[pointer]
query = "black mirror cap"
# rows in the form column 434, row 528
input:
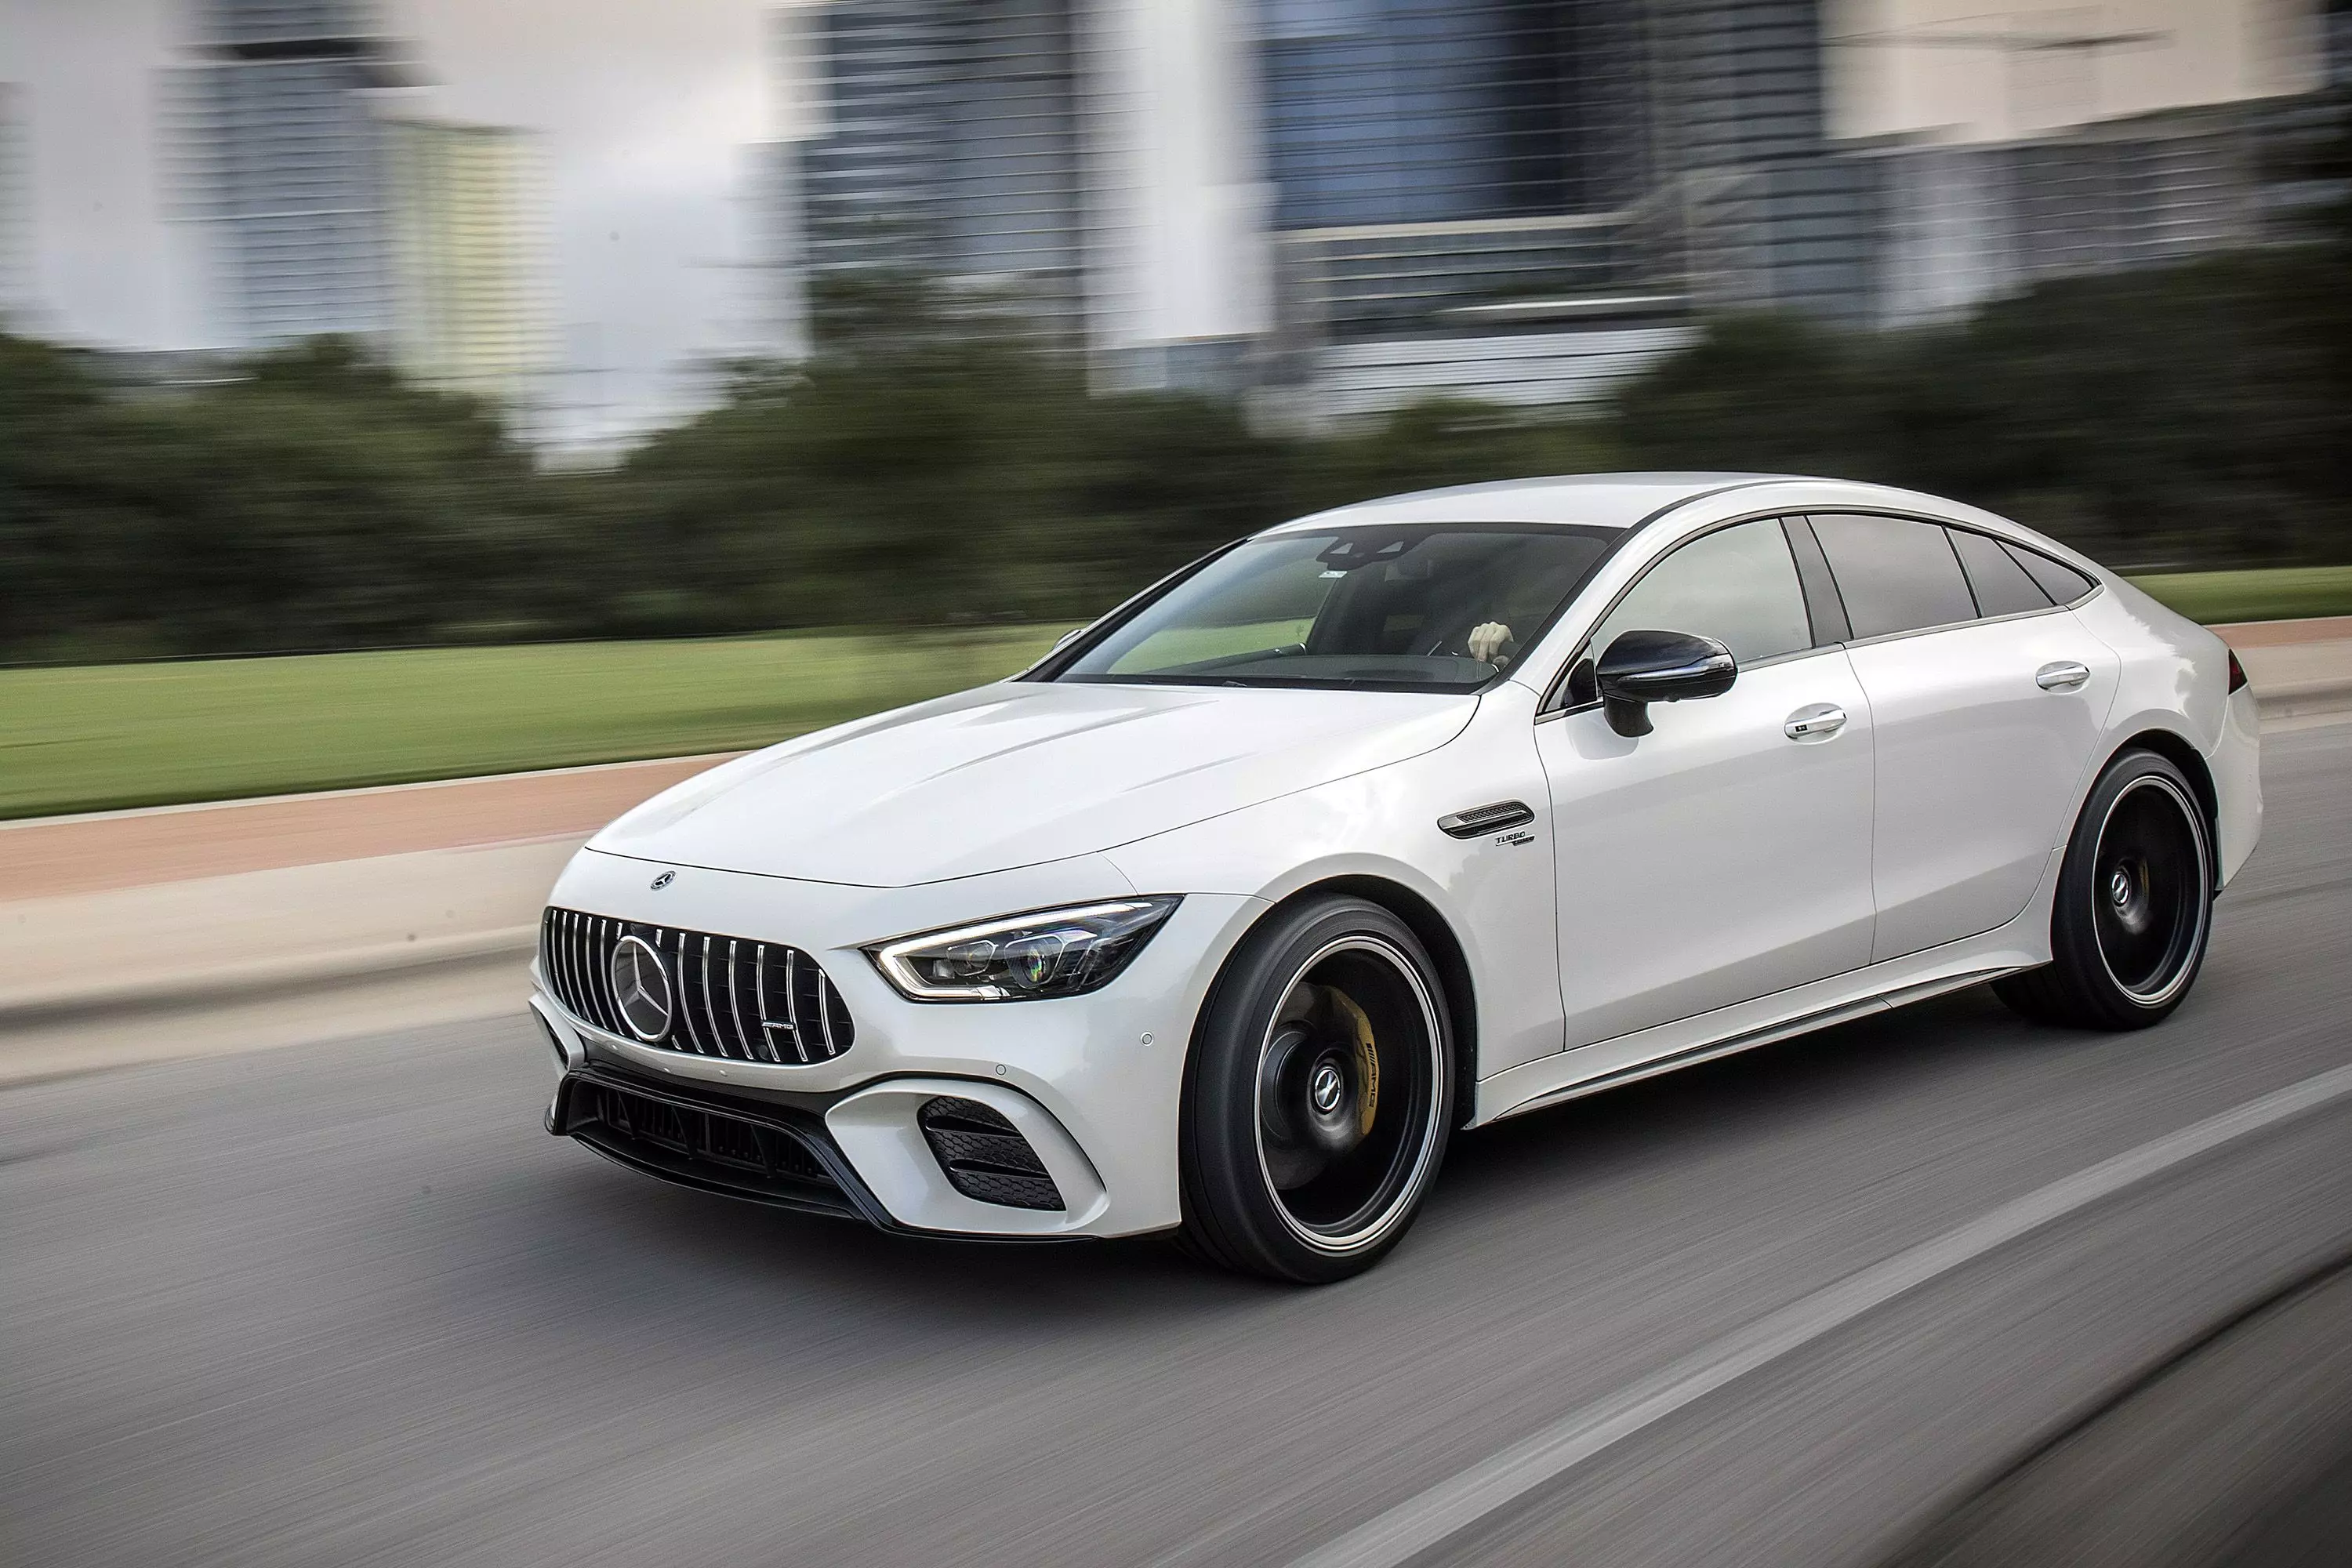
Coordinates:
column 1644, row 667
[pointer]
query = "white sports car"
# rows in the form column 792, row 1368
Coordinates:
column 1393, row 820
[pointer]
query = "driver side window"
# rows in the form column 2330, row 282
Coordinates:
column 1737, row 585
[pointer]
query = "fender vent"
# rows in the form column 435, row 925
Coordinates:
column 1480, row 819
column 984, row 1155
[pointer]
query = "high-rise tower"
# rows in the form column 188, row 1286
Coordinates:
column 279, row 153
column 16, row 208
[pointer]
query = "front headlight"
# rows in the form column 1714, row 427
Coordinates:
column 1022, row 958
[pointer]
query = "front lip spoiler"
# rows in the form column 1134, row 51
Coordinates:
column 855, row 1200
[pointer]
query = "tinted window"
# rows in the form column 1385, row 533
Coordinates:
column 2058, row 580
column 1895, row 575
column 2003, row 587
column 1737, row 585
column 1431, row 607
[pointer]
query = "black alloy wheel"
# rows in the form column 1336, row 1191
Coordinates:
column 2135, row 904
column 1319, row 1094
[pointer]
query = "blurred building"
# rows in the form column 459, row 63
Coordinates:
column 328, row 212
column 467, row 246
column 1522, row 203
column 943, row 138
column 1961, row 225
column 16, row 208
column 279, row 152
column 1346, row 205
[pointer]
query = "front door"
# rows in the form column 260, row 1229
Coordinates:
column 1721, row 857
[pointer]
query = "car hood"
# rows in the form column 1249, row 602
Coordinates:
column 1020, row 773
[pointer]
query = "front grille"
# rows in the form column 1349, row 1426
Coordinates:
column 730, row 996
column 984, row 1155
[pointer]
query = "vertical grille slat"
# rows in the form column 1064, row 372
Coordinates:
column 735, row 999
column 760, row 1002
column 682, row 977
column 792, row 1004
column 710, row 1002
column 609, row 937
column 583, row 943
column 571, row 960
column 731, row 998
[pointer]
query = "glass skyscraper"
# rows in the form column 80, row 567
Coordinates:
column 280, row 151
column 948, row 143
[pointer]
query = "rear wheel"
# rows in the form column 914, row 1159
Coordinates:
column 2135, row 904
column 1319, row 1095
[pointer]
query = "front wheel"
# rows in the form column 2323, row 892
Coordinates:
column 2135, row 904
column 1319, row 1095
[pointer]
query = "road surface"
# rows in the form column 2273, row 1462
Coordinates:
column 347, row 1304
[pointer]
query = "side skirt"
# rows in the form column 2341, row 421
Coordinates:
column 1881, row 987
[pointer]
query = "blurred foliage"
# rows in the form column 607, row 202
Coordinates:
column 92, row 738
column 2275, row 594
column 934, row 465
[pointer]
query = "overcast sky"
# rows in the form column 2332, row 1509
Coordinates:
column 644, row 108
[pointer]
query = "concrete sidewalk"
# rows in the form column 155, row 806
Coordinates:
column 137, row 936
column 147, row 935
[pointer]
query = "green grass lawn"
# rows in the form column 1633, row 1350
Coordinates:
column 2282, row 594
column 92, row 738
column 96, row 737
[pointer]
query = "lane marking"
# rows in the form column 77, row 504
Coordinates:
column 1453, row 1505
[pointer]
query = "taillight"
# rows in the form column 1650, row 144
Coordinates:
column 2237, row 672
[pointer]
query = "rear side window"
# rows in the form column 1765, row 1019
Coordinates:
column 2058, row 580
column 1895, row 574
column 2003, row 587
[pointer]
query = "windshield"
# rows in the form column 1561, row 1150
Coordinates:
column 1441, row 607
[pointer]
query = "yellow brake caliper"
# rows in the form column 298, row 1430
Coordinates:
column 1367, row 1059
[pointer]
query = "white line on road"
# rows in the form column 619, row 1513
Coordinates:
column 1453, row 1504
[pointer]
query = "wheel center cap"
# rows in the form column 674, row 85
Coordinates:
column 1326, row 1088
column 2119, row 886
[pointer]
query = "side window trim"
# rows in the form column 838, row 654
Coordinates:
column 1822, row 605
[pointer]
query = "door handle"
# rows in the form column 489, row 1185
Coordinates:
column 2063, row 676
column 1816, row 722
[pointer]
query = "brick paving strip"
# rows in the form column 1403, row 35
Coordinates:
column 47, row 856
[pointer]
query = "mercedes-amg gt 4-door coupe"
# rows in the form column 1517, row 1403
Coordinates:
column 1387, row 823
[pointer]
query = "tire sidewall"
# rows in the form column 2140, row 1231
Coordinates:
column 1229, row 1209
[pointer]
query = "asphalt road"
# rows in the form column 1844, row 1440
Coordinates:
column 347, row 1304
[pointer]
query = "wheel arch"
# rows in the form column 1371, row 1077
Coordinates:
column 1446, row 950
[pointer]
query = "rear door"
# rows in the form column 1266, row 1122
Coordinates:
column 1988, row 701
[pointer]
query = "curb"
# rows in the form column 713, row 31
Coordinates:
column 268, row 981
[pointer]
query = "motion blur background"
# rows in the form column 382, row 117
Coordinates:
column 338, row 324
column 416, row 392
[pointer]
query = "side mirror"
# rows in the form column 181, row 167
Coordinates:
column 1640, row 667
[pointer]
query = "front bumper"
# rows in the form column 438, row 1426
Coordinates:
column 1093, row 1084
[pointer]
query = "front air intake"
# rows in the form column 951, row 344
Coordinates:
column 984, row 1155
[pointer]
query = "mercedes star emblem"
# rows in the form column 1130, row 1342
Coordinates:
column 664, row 880
column 641, row 988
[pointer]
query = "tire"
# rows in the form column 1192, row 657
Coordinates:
column 2135, row 907
column 1319, row 1095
